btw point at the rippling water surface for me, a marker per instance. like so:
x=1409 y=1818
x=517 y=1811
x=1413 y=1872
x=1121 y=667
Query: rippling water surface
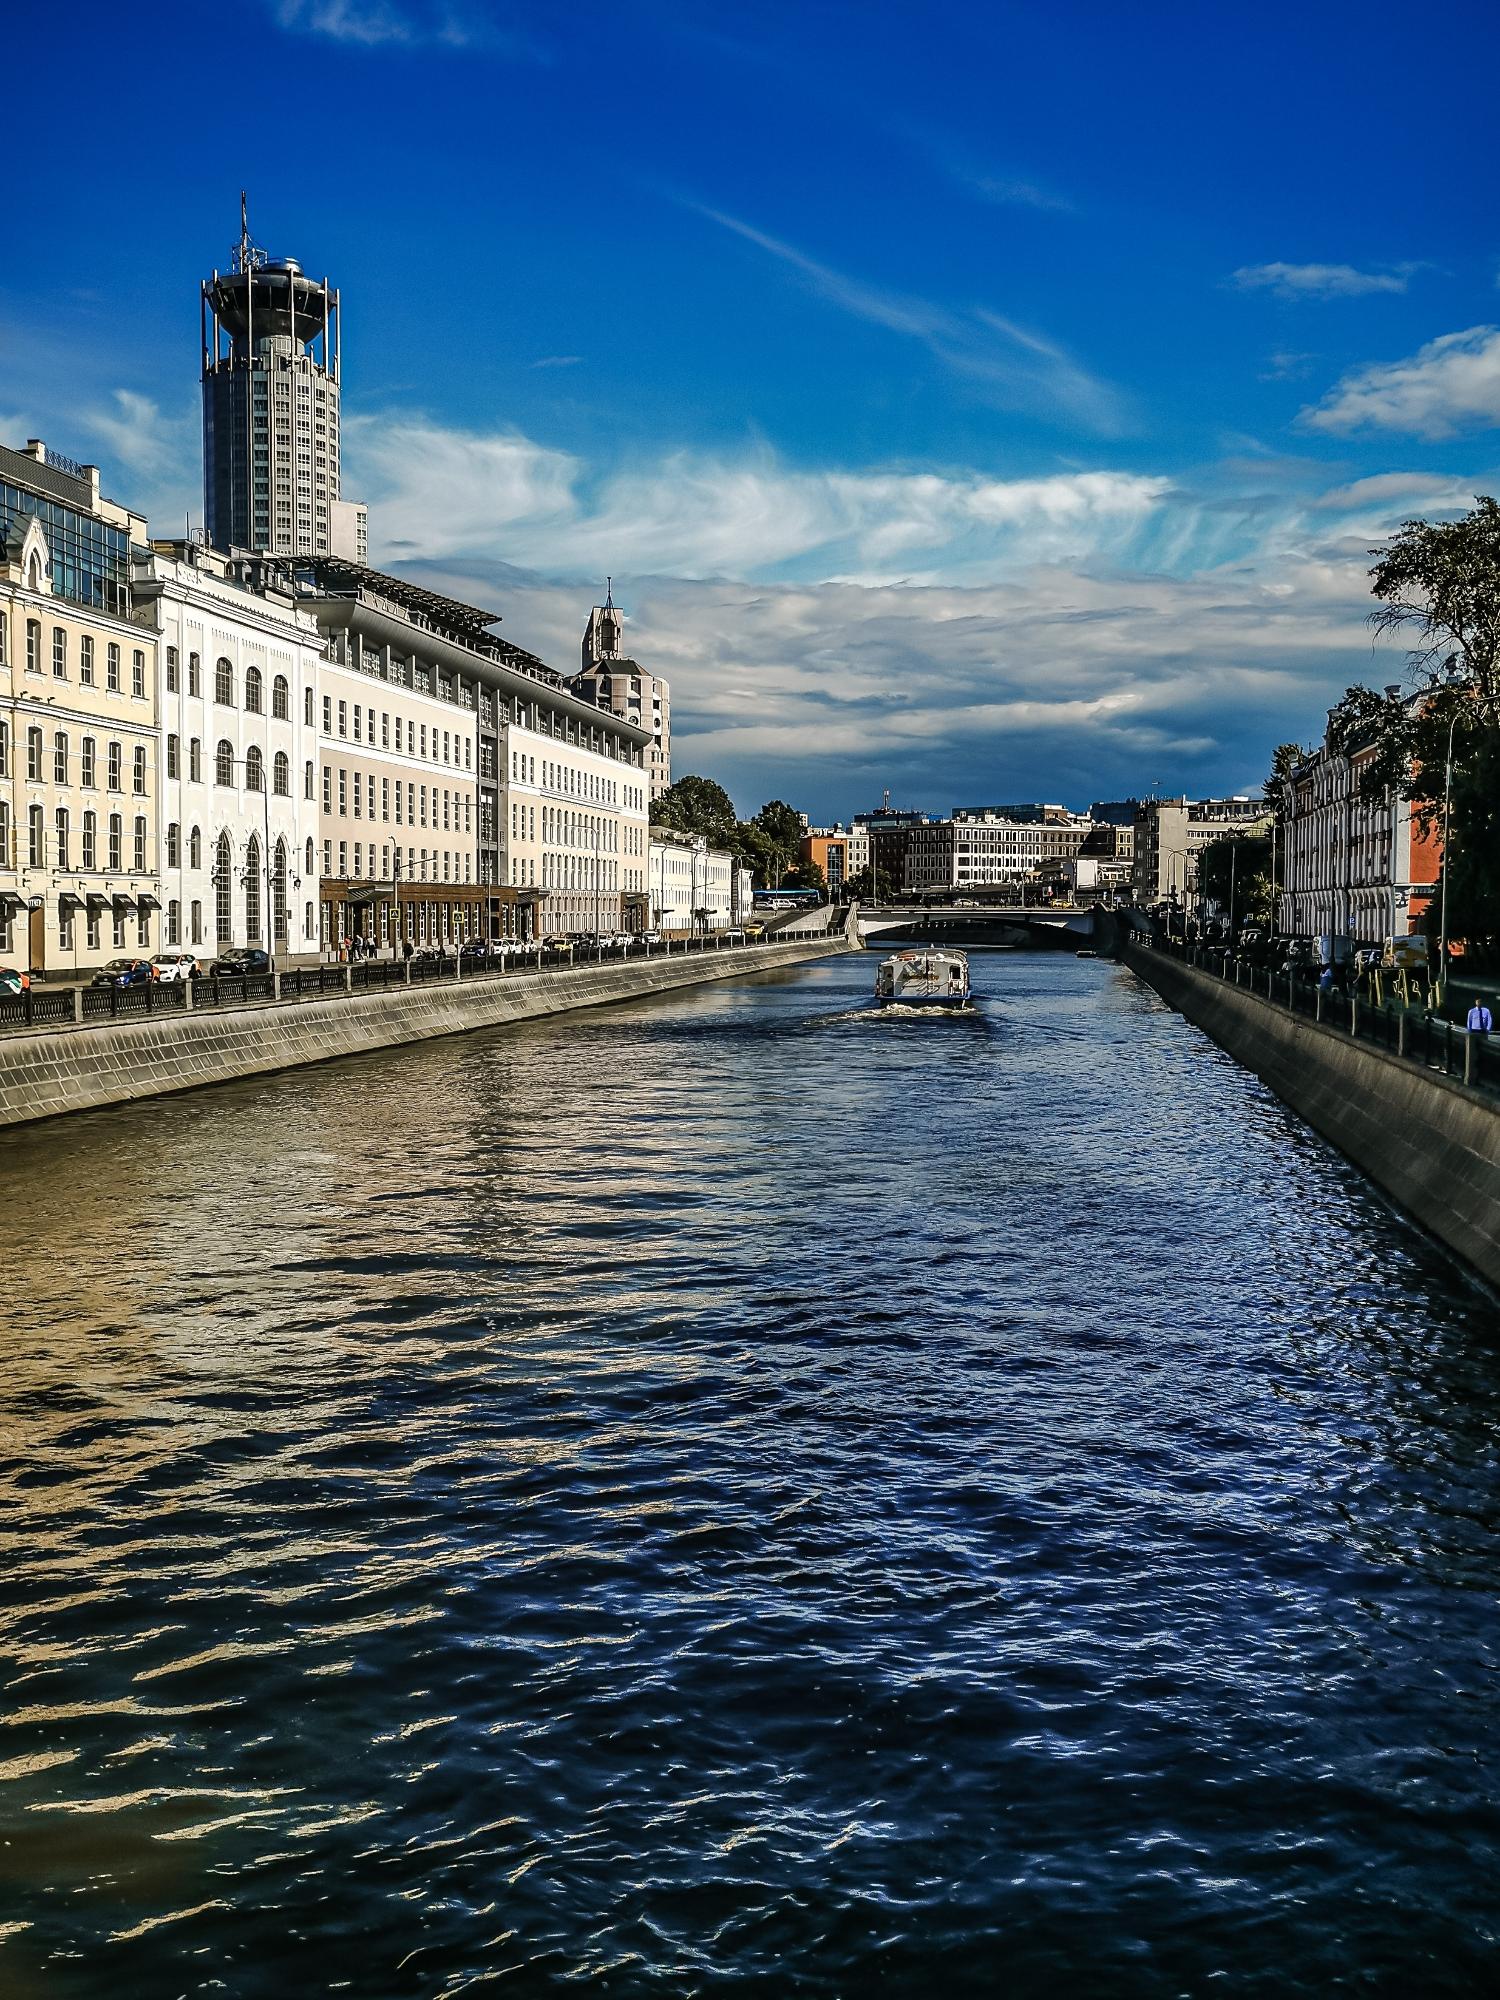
x=728 y=1494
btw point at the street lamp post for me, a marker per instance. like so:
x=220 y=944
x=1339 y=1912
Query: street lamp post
x=1447 y=803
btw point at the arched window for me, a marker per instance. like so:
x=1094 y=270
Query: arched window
x=307 y=780
x=138 y=845
x=195 y=686
x=60 y=837
x=195 y=760
x=89 y=859
x=116 y=842
x=281 y=775
x=60 y=757
x=174 y=923
x=278 y=893
x=281 y=699
x=307 y=706
x=223 y=885
x=174 y=845
x=252 y=890
x=310 y=860
x=224 y=683
x=224 y=764
x=307 y=921
x=195 y=849
x=255 y=770
x=252 y=690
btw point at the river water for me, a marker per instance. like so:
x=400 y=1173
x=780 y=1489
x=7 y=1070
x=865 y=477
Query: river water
x=728 y=1494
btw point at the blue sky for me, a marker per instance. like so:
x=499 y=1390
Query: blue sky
x=983 y=402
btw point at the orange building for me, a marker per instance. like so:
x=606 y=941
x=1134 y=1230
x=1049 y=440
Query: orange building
x=830 y=852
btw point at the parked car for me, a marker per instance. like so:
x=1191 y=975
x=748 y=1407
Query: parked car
x=14 y=982
x=174 y=967
x=242 y=961
x=558 y=941
x=734 y=935
x=755 y=930
x=650 y=937
x=124 y=972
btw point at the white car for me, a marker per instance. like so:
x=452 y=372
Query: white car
x=170 y=967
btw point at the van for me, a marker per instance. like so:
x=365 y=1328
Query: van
x=1406 y=953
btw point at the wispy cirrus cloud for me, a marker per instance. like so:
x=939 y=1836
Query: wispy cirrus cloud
x=558 y=361
x=388 y=24
x=1014 y=367
x=1449 y=386
x=1321 y=281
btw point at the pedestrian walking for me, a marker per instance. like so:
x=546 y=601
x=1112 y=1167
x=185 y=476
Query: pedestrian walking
x=1480 y=1019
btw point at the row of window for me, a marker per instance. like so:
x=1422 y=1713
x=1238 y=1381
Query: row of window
x=59 y=852
x=375 y=863
x=410 y=737
x=574 y=783
x=39 y=760
x=226 y=763
x=224 y=690
x=87 y=657
x=456 y=809
x=561 y=827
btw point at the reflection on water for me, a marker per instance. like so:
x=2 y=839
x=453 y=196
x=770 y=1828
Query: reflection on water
x=729 y=1491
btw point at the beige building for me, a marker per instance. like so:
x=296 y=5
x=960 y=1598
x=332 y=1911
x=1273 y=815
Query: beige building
x=1170 y=834
x=464 y=790
x=695 y=888
x=80 y=880
x=623 y=686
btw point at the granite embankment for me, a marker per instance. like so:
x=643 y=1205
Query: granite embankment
x=58 y=1070
x=1432 y=1144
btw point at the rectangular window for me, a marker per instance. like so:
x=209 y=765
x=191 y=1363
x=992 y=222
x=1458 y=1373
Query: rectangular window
x=385 y=798
x=60 y=759
x=172 y=689
x=33 y=646
x=59 y=652
x=385 y=729
x=343 y=792
x=327 y=788
x=139 y=770
x=116 y=765
x=357 y=714
x=87 y=775
x=358 y=813
x=174 y=756
x=138 y=674
x=343 y=718
x=328 y=715
x=195 y=686
x=112 y=668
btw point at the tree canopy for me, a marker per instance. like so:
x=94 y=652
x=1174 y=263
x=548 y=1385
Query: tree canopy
x=768 y=845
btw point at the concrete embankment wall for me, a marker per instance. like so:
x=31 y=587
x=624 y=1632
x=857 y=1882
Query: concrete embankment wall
x=1431 y=1144
x=59 y=1070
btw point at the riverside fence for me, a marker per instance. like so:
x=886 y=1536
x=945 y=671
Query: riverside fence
x=84 y=1006
x=1411 y=1033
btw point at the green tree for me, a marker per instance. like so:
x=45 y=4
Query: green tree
x=1237 y=868
x=697 y=805
x=805 y=875
x=781 y=828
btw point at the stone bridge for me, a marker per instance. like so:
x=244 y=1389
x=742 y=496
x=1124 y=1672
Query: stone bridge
x=961 y=924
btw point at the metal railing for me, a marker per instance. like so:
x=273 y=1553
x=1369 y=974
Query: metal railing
x=93 y=1006
x=1408 y=1034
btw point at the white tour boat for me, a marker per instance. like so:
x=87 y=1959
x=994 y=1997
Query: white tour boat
x=931 y=979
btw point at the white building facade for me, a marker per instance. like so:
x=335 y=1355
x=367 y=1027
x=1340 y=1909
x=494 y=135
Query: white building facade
x=695 y=889
x=237 y=669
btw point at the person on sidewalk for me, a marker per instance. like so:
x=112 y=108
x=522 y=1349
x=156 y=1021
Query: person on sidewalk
x=1480 y=1019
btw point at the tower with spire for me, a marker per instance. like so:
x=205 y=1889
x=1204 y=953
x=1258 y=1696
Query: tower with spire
x=613 y=681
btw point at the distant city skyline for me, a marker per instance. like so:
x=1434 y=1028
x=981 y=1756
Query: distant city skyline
x=997 y=408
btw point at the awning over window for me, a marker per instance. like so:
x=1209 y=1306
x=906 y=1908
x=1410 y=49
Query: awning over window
x=96 y=905
x=10 y=906
x=67 y=902
x=146 y=903
x=122 y=904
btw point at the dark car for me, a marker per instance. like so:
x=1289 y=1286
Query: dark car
x=124 y=972
x=244 y=962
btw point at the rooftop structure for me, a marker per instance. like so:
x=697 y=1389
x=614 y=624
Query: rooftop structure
x=271 y=371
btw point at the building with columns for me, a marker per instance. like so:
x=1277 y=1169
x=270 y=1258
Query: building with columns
x=80 y=878
x=1354 y=861
x=464 y=791
x=695 y=888
x=237 y=674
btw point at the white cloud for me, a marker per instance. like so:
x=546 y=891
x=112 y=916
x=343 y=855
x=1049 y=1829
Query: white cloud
x=1320 y=281
x=558 y=361
x=438 y=492
x=1450 y=385
x=377 y=24
x=1012 y=367
x=828 y=631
